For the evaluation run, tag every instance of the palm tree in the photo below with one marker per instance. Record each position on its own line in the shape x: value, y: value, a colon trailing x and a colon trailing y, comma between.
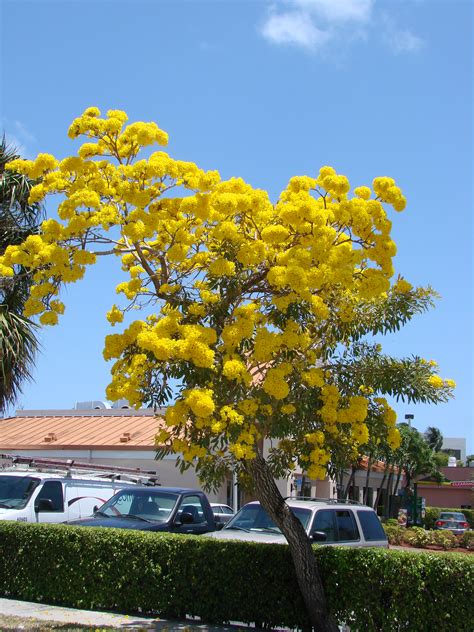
x: 434, y: 438
x: 18, y: 342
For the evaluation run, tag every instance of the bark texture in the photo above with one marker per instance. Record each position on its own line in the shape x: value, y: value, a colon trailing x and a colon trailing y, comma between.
x: 306, y: 568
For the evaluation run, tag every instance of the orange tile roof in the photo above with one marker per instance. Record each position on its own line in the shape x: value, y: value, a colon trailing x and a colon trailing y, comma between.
x: 82, y: 431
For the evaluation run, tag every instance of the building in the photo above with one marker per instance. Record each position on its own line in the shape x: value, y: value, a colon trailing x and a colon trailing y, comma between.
x: 455, y: 446
x: 456, y: 492
x: 107, y: 436
x: 95, y: 433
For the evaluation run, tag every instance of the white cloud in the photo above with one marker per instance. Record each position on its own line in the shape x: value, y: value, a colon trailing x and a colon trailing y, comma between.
x: 337, y: 10
x: 18, y: 136
x: 399, y: 40
x: 294, y: 28
x: 14, y: 142
x: 404, y: 42
x: 321, y: 25
x: 23, y: 131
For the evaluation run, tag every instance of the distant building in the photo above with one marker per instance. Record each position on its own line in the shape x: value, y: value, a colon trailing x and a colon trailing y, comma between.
x: 456, y: 447
x: 457, y: 491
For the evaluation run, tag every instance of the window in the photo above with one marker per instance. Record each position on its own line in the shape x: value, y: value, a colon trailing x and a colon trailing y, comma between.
x: 53, y: 491
x: 324, y: 521
x: 149, y: 504
x: 253, y: 516
x: 346, y: 526
x: 227, y: 510
x: 15, y: 491
x: 193, y: 506
x: 371, y: 526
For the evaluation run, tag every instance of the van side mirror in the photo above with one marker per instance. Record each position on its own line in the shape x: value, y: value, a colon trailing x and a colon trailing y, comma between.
x: 319, y: 536
x: 44, y: 504
x: 95, y: 509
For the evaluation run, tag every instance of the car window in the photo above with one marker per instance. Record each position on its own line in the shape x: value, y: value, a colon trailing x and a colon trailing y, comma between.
x: 227, y: 510
x: 254, y: 517
x: 371, y: 527
x: 450, y: 515
x: 193, y: 505
x: 52, y: 490
x: 346, y: 526
x: 324, y: 521
x: 148, y: 504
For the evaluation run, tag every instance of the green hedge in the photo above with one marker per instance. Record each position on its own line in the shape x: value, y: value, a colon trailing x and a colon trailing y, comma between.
x: 432, y: 515
x: 221, y: 581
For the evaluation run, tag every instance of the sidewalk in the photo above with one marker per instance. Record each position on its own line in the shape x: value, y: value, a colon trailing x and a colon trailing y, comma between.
x: 24, y: 615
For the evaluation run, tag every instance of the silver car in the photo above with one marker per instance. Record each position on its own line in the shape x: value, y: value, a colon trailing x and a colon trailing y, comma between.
x: 222, y: 513
x: 325, y: 521
x: 452, y: 521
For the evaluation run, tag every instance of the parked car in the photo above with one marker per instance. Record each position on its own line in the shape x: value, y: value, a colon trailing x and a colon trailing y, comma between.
x: 452, y: 521
x: 175, y: 509
x: 34, y: 496
x: 325, y: 521
x: 222, y: 513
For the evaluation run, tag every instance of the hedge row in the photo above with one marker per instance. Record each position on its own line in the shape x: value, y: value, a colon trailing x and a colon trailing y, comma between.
x: 222, y: 581
x: 432, y: 515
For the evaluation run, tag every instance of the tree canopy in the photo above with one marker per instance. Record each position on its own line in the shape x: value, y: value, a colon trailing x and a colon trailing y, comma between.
x: 434, y: 438
x: 258, y: 317
x: 255, y: 309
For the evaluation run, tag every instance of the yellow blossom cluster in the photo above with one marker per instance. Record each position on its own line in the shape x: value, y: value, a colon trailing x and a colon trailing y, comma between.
x: 243, y: 295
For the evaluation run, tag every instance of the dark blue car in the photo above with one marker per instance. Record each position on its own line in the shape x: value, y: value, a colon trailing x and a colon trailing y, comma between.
x: 174, y: 509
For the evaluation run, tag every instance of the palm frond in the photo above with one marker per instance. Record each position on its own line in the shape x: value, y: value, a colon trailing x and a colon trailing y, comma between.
x: 18, y: 219
x: 18, y: 348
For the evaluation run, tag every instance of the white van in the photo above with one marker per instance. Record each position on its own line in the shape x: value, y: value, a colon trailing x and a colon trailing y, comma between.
x: 47, y: 497
x: 47, y: 490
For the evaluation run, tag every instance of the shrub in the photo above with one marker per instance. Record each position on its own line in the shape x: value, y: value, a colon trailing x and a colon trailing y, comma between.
x: 467, y: 540
x: 444, y: 538
x: 395, y: 533
x: 222, y: 581
x: 418, y: 537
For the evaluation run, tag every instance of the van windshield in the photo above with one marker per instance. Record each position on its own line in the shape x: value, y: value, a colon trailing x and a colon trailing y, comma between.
x: 15, y: 491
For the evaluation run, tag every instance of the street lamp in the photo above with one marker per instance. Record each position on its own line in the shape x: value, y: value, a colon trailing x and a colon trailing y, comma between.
x: 409, y: 418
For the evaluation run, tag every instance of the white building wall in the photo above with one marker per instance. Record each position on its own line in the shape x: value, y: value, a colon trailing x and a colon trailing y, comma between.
x: 455, y: 443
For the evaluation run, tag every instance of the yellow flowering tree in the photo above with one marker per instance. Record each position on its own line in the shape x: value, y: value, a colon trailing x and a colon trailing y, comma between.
x: 254, y: 313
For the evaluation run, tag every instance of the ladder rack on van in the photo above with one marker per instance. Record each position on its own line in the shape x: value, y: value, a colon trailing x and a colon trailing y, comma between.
x: 136, y: 475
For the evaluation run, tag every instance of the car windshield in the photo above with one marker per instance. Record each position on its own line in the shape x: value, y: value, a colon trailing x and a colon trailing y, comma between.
x: 450, y: 515
x: 153, y: 505
x: 15, y: 491
x: 254, y: 518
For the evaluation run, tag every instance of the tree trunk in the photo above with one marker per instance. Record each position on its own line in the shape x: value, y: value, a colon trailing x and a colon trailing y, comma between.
x: 389, y: 494
x: 397, y: 483
x: 349, y: 482
x: 340, y: 492
x: 306, y: 568
x: 367, y: 479
x: 380, y: 490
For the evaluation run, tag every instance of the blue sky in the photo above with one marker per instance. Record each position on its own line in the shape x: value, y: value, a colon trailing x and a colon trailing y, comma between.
x: 266, y: 91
